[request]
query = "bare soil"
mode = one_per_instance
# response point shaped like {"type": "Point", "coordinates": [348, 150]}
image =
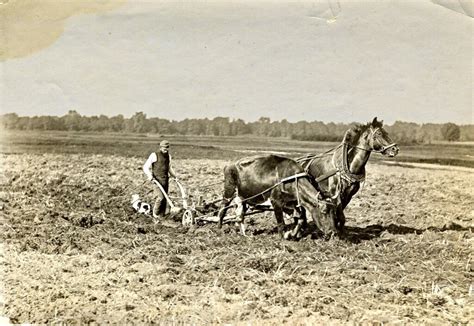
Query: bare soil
{"type": "Point", "coordinates": [75, 252]}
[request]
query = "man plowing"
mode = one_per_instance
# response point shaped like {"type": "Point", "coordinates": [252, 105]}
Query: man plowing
{"type": "Point", "coordinates": [158, 167]}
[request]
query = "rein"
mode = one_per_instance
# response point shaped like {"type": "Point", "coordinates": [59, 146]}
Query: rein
{"type": "Point", "coordinates": [292, 178]}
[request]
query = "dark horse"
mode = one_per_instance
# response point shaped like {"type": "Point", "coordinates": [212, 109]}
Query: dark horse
{"type": "Point", "coordinates": [341, 170]}
{"type": "Point", "coordinates": [283, 181]}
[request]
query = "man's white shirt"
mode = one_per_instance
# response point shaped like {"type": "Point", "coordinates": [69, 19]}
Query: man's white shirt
{"type": "Point", "coordinates": [149, 162]}
{"type": "Point", "coordinates": [147, 166]}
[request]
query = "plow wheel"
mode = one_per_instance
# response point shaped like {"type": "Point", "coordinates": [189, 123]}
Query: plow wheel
{"type": "Point", "coordinates": [188, 218]}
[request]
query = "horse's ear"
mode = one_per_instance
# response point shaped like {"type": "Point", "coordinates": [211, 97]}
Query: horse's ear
{"type": "Point", "coordinates": [377, 123]}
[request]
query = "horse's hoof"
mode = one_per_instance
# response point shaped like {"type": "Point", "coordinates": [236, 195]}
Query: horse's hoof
{"type": "Point", "coordinates": [287, 235]}
{"type": "Point", "coordinates": [330, 236]}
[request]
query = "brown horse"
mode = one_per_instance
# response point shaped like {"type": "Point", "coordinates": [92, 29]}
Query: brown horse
{"type": "Point", "coordinates": [282, 181]}
{"type": "Point", "coordinates": [341, 170]}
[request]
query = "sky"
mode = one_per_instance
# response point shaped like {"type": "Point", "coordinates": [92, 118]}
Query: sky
{"type": "Point", "coordinates": [322, 60]}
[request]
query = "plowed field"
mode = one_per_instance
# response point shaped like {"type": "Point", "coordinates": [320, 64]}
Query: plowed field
{"type": "Point", "coordinates": [74, 251]}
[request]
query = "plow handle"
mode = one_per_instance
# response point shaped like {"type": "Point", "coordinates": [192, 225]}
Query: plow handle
{"type": "Point", "coordinates": [164, 193]}
{"type": "Point", "coordinates": [168, 199]}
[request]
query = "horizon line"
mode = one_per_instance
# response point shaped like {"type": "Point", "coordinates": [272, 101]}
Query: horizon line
{"type": "Point", "coordinates": [234, 119]}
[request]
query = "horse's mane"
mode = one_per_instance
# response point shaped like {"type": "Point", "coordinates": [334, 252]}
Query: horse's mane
{"type": "Point", "coordinates": [353, 135]}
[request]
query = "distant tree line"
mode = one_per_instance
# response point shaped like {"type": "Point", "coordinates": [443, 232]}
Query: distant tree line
{"type": "Point", "coordinates": [402, 132]}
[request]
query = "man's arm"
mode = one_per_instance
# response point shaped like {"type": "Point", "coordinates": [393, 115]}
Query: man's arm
{"type": "Point", "coordinates": [147, 166]}
{"type": "Point", "coordinates": [172, 173]}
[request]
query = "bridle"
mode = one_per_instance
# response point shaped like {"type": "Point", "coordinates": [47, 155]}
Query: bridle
{"type": "Point", "coordinates": [373, 138]}
{"type": "Point", "coordinates": [343, 168]}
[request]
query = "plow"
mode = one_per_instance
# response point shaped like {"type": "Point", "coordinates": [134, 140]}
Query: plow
{"type": "Point", "coordinates": [197, 210]}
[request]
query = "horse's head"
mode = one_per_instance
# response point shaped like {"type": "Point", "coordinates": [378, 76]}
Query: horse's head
{"type": "Point", "coordinates": [379, 141]}
{"type": "Point", "coordinates": [324, 213]}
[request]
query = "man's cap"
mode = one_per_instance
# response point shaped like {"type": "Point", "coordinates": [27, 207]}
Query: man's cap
{"type": "Point", "coordinates": [165, 143]}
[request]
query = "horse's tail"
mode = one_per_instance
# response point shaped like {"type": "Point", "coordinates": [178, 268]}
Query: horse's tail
{"type": "Point", "coordinates": [231, 178]}
{"type": "Point", "coordinates": [230, 181]}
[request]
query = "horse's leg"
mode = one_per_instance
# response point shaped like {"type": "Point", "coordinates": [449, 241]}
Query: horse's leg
{"type": "Point", "coordinates": [294, 213]}
{"type": "Point", "coordinates": [296, 234]}
{"type": "Point", "coordinates": [299, 216]}
{"type": "Point", "coordinates": [229, 192]}
{"type": "Point", "coordinates": [348, 194]}
{"type": "Point", "coordinates": [340, 218]}
{"type": "Point", "coordinates": [302, 214]}
{"type": "Point", "coordinates": [223, 211]}
{"type": "Point", "coordinates": [278, 211]}
{"type": "Point", "coordinates": [302, 219]}
{"type": "Point", "coordinates": [241, 219]}
{"type": "Point", "coordinates": [345, 199]}
{"type": "Point", "coordinates": [295, 217]}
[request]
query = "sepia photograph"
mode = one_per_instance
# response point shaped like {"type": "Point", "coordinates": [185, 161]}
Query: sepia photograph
{"type": "Point", "coordinates": [245, 162]}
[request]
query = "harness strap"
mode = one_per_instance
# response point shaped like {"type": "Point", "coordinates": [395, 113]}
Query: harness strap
{"type": "Point", "coordinates": [297, 194]}
{"type": "Point", "coordinates": [385, 148]}
{"type": "Point", "coordinates": [308, 164]}
{"type": "Point", "coordinates": [309, 158]}
{"type": "Point", "coordinates": [343, 168]}
{"type": "Point", "coordinates": [293, 177]}
{"type": "Point", "coordinates": [327, 175]}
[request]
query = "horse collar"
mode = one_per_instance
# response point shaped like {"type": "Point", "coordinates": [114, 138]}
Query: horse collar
{"type": "Point", "coordinates": [344, 169]}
